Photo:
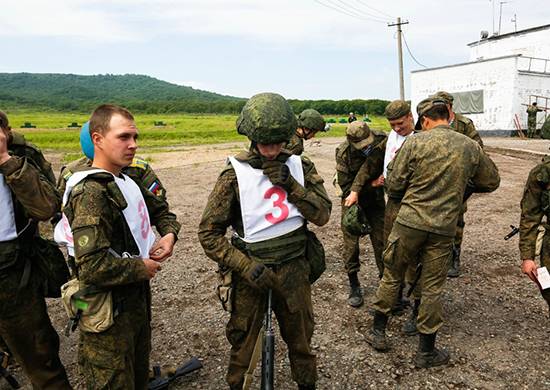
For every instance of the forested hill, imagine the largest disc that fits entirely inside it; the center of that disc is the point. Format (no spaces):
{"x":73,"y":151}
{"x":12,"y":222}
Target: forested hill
{"x":69,"y":92}
{"x":140,"y":94}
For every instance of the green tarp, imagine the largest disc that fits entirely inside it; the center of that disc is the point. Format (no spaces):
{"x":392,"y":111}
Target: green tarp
{"x":470,"y":102}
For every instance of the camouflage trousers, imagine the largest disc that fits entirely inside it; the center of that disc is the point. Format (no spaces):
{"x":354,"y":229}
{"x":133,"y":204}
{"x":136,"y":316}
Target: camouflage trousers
{"x":545,"y":260}
{"x":408,"y":246}
{"x":460,"y":226}
{"x":531,"y":128}
{"x":119,"y":357}
{"x":294,"y":312}
{"x":26,"y":330}
{"x":375,"y":217}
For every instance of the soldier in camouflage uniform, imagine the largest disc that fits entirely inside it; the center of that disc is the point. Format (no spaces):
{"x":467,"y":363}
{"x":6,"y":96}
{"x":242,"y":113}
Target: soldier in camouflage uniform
{"x":309,"y":123}
{"x":27,"y":195}
{"x":118,"y":357}
{"x":359,"y":165}
{"x":535,"y":205}
{"x":462,"y":125}
{"x":431,"y":174}
{"x":532,"y":111}
{"x":272,"y":257}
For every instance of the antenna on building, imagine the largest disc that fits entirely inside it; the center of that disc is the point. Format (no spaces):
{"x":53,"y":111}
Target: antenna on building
{"x":500,"y":16}
{"x":515,"y":21}
{"x":493,"y":4}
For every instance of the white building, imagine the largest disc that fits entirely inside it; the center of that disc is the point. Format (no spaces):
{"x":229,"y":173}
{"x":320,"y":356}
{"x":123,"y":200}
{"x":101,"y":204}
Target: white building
{"x":505,"y":73}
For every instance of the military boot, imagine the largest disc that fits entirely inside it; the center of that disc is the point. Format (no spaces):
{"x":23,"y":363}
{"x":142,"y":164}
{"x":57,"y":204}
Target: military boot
{"x":454,"y":270}
{"x":409,"y":327}
{"x":355,"y":298}
{"x":427,"y":355}
{"x":377,"y":335}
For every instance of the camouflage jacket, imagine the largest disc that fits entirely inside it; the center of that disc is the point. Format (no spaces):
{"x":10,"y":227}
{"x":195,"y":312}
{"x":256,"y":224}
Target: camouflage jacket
{"x":535,"y":204}
{"x":94,"y":211}
{"x":356,"y":171}
{"x":223,"y":208}
{"x":139,"y":170}
{"x":31,"y":181}
{"x":430,"y":174}
{"x":464,"y":125}
{"x":532,"y":112}
{"x":295,"y":145}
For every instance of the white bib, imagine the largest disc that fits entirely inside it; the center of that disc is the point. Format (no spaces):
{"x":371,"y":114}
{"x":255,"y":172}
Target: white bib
{"x":8,"y":230}
{"x":136,"y":214}
{"x":392,"y":146}
{"x":265,"y":209}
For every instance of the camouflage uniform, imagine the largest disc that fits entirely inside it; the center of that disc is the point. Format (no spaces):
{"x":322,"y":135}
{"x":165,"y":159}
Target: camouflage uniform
{"x":292,"y":299}
{"x":295,"y":145}
{"x":24,"y":323}
{"x":532,"y":120}
{"x":118,"y":357}
{"x":429,"y":173}
{"x":535,"y":205}
{"x":309,"y":120}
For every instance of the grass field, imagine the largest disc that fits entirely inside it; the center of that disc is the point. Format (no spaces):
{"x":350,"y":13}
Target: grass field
{"x":52,"y":132}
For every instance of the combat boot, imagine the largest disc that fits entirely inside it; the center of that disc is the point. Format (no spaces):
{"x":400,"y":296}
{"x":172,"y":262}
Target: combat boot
{"x":427,"y":355}
{"x":454,"y":270}
{"x":355,"y":298}
{"x":377,"y":335}
{"x":409,"y":327}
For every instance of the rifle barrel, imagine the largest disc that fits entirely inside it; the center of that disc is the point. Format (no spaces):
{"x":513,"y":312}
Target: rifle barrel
{"x":268,"y":350}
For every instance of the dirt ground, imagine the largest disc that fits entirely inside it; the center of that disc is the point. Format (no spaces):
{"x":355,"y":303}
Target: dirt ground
{"x":496,"y":323}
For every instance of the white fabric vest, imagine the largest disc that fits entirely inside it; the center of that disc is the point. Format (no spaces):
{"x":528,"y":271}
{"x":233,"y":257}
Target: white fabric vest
{"x":8,"y":230}
{"x":392,"y":146}
{"x":265,"y":209}
{"x":136,"y":214}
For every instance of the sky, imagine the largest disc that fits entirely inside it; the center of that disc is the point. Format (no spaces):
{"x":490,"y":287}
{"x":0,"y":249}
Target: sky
{"x":302,"y":49}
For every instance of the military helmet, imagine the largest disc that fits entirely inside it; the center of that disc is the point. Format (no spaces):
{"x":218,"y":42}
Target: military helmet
{"x":311,"y":119}
{"x":267,"y":118}
{"x":355,"y":221}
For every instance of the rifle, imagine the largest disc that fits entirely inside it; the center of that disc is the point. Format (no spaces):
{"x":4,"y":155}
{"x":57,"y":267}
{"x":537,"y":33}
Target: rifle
{"x":514,"y":231}
{"x":268,"y":350}
{"x":163,"y":383}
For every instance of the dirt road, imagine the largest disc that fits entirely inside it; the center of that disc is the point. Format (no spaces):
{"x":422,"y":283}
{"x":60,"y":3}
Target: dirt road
{"x":496,"y":324}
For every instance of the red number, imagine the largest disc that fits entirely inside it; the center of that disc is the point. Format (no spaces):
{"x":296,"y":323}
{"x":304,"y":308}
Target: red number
{"x":67,"y":230}
{"x":279,"y":203}
{"x":144,"y":220}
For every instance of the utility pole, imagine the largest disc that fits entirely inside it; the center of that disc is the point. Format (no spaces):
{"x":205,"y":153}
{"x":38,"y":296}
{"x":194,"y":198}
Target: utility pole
{"x":515,"y":21}
{"x":399,"y":23}
{"x":500,"y":16}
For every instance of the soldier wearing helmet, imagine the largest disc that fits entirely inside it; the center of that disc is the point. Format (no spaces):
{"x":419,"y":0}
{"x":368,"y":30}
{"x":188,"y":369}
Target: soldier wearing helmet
{"x":309,"y":123}
{"x":267,"y":195}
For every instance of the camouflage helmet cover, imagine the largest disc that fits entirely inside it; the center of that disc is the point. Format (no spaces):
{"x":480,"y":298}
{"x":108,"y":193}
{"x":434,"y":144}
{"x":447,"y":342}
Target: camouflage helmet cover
{"x":355,"y":222}
{"x":311,"y":119}
{"x":267,"y":118}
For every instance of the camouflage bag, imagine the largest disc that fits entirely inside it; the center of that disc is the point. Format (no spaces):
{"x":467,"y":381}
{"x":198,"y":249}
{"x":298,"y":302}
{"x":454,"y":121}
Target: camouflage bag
{"x":315,"y":254}
{"x":51,"y":265}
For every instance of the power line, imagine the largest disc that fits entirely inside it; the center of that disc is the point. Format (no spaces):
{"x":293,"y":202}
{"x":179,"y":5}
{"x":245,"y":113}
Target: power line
{"x":410,"y":53}
{"x":336,"y":7}
{"x":375,"y":9}
{"x":362,"y":12}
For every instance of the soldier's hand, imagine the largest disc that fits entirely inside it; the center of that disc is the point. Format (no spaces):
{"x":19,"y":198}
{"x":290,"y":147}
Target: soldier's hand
{"x":352,"y":198}
{"x":378,"y":182}
{"x":261,"y":277}
{"x":277,"y":172}
{"x":4,"y":156}
{"x":163,"y":248}
{"x":529,"y":267}
{"x":152,"y":267}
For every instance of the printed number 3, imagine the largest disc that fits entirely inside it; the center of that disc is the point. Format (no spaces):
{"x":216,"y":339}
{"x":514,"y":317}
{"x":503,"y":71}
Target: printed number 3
{"x":279,"y":203}
{"x":144,"y":220}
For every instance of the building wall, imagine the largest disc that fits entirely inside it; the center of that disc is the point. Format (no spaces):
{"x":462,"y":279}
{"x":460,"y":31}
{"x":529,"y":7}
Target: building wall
{"x":497,"y":78}
{"x":531,"y":84}
{"x":532,"y":44}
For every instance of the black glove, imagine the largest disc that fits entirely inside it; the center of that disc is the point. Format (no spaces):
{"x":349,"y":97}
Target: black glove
{"x":278,"y":173}
{"x":261,"y":277}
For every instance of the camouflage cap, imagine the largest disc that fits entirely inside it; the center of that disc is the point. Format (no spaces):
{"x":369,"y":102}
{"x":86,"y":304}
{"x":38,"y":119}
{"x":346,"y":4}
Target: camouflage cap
{"x":359,"y":135}
{"x":426,"y":105}
{"x":397,"y":109}
{"x":267,"y":118}
{"x":311,"y":119}
{"x":355,"y":221}
{"x":446,"y":96}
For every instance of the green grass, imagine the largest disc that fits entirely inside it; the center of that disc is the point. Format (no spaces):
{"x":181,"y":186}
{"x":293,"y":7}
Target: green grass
{"x":181,"y":129}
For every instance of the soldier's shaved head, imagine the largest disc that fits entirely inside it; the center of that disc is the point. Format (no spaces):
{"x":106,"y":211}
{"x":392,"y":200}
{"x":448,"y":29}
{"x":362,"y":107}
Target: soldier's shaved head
{"x":101,"y":117}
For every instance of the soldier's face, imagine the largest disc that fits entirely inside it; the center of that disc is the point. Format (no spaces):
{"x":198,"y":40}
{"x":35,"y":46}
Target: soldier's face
{"x":404,"y":125}
{"x":270,"y":151}
{"x":119,"y":144}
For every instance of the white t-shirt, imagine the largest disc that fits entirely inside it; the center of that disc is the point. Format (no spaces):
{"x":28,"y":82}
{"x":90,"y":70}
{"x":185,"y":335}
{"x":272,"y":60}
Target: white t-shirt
{"x":8,"y":230}
{"x":392,"y":146}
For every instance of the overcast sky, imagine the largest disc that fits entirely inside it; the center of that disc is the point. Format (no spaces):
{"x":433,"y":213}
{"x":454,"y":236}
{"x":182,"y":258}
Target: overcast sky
{"x":305,"y":49}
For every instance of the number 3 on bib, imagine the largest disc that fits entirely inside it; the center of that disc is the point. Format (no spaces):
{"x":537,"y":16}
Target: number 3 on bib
{"x":279,"y":203}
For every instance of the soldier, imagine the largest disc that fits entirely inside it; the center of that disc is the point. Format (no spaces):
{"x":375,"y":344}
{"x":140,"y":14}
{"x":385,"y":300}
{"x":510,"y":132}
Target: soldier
{"x":351,"y":117}
{"x":110,"y":219}
{"x":431,"y":173}
{"x":532,"y":110}
{"x":309,"y":123}
{"x":462,"y":125}
{"x":535,"y":205}
{"x":27,"y":195}
{"x":359,"y":166}
{"x":266,"y":195}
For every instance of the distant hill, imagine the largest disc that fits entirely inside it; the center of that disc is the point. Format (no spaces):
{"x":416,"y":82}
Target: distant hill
{"x":69,"y":92}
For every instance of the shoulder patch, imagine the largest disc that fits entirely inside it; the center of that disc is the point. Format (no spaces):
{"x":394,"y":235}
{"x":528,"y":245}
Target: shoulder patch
{"x":139,"y":163}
